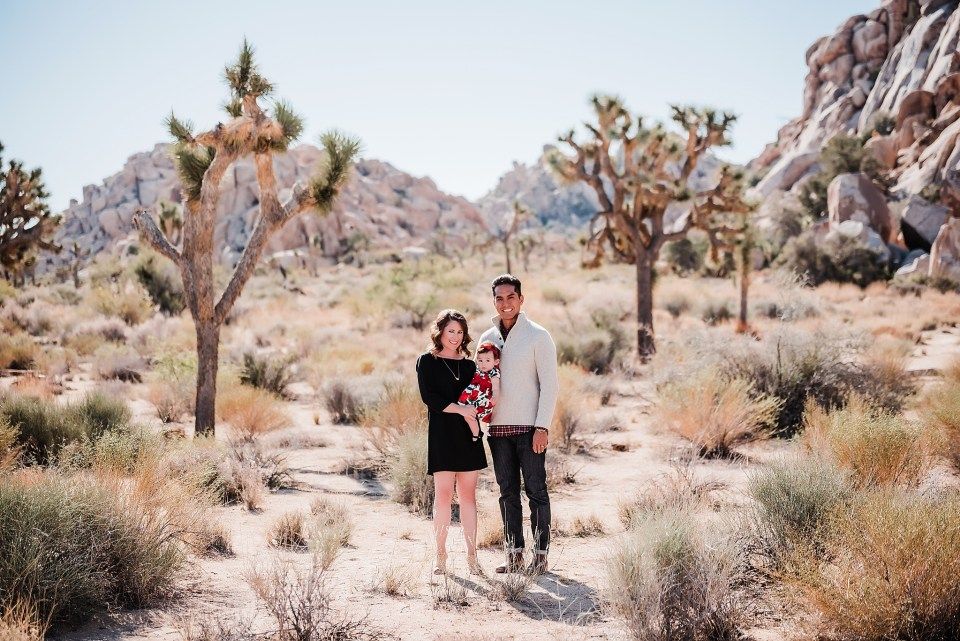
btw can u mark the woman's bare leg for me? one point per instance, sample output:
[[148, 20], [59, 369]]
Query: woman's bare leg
[[443, 483], [467, 496]]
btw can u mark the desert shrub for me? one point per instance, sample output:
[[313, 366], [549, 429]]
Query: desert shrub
[[118, 362], [32, 384], [684, 256], [838, 259], [129, 303], [71, 546], [717, 413], [794, 366], [162, 282], [288, 531], [44, 427], [560, 472], [346, 399], [251, 412], [714, 311], [394, 579], [674, 302], [397, 412], [668, 584], [876, 446], [19, 622], [18, 351], [793, 501], [86, 337], [893, 570], [585, 526], [234, 474], [940, 416], [121, 451], [300, 605], [269, 373], [407, 473], [598, 348]]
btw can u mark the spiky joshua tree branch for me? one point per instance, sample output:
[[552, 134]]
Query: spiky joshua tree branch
[[202, 158]]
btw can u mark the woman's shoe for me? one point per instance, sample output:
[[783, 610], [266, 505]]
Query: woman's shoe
[[441, 565]]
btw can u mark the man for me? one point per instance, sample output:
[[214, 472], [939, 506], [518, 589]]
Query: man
[[518, 433]]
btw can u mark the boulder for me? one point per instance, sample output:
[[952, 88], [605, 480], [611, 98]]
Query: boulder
[[920, 222], [787, 170], [870, 41], [857, 230], [856, 197], [884, 149], [916, 265], [945, 251]]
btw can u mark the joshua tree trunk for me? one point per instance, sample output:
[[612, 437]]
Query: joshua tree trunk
[[744, 265], [208, 348], [645, 341], [506, 252]]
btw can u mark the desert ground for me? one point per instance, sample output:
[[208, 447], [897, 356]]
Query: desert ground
[[344, 337]]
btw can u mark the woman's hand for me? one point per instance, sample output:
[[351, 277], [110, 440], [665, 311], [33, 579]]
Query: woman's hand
[[468, 411]]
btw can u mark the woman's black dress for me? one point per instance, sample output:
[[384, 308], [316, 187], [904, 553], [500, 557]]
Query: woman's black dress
[[450, 444]]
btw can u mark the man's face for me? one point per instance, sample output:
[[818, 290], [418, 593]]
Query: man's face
[[507, 302]]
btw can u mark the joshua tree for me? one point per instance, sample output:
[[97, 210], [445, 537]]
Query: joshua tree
[[505, 232], [201, 159], [636, 172], [171, 222], [25, 219]]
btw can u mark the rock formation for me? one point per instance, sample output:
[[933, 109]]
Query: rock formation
[[385, 206]]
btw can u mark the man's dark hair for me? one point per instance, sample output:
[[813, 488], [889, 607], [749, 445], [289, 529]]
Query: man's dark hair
[[506, 279]]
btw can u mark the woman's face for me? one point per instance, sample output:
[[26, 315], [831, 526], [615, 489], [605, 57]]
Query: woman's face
[[452, 336]]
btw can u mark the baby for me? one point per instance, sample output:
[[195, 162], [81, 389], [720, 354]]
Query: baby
[[483, 392]]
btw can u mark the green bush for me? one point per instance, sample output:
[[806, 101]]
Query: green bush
[[598, 349], [162, 282], [840, 259], [684, 256], [668, 584], [268, 373], [793, 500], [44, 427], [71, 547]]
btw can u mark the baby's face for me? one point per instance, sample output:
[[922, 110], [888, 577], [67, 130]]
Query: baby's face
[[486, 361]]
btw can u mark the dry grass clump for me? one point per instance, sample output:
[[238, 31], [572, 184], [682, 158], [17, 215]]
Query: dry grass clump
[[217, 540], [399, 411], [18, 351], [940, 414], [346, 399], [74, 545], [717, 413], [288, 531], [407, 473], [44, 427], [876, 446], [512, 586], [19, 622], [329, 529], [584, 526], [36, 386], [680, 489], [490, 531], [560, 472], [893, 570], [394, 579], [86, 337], [573, 407], [171, 386], [667, 583], [251, 412], [300, 605]]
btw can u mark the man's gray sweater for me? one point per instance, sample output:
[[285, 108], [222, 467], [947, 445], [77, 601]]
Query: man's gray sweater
[[528, 374]]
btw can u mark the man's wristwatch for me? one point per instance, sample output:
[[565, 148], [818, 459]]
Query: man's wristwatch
[[543, 429]]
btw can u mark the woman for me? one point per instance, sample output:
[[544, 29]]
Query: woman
[[453, 457]]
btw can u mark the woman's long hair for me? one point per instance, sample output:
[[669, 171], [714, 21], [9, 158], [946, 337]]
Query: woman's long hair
[[443, 319]]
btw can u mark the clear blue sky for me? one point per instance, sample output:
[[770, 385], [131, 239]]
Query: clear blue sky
[[452, 90]]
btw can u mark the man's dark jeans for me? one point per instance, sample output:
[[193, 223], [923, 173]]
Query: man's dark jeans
[[513, 456]]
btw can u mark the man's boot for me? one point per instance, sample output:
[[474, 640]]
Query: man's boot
[[538, 565], [514, 563]]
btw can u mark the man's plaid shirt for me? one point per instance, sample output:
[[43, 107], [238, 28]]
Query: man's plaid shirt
[[509, 430]]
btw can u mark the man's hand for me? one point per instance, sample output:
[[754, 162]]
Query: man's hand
[[540, 440]]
